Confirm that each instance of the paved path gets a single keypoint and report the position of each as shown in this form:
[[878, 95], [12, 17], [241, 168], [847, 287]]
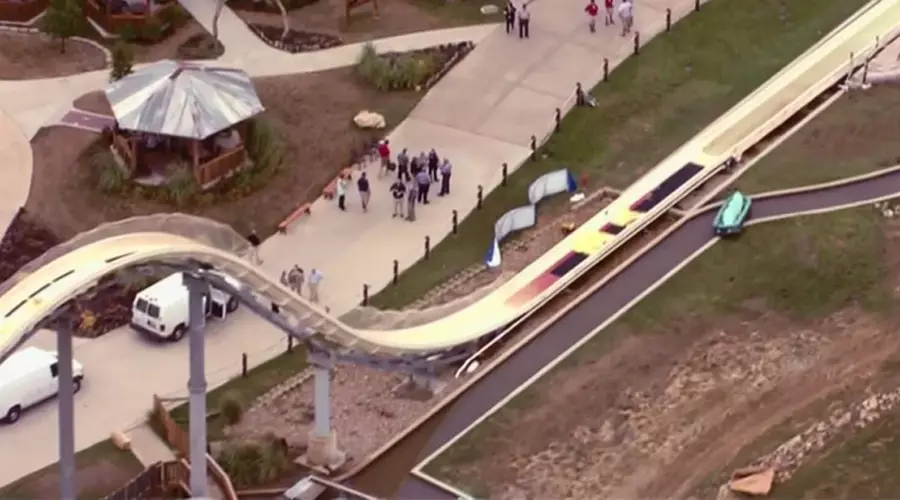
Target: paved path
[[508, 94]]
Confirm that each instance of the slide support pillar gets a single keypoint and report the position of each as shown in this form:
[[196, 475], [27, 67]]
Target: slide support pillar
[[66, 412], [197, 290], [323, 452]]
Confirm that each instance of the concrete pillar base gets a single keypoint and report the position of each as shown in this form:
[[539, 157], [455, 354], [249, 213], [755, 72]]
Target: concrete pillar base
[[322, 453]]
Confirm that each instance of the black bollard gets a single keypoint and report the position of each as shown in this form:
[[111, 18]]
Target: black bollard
[[365, 295], [455, 221], [637, 42], [605, 69], [427, 247], [396, 271], [558, 119], [533, 148], [290, 343], [505, 172], [668, 20], [244, 364], [696, 5], [865, 76], [480, 197]]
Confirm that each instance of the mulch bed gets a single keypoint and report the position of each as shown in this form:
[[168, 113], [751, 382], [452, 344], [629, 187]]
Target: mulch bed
[[27, 239], [268, 7], [295, 41], [200, 46]]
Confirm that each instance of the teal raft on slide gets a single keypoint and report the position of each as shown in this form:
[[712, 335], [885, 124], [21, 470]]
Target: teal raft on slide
[[731, 217]]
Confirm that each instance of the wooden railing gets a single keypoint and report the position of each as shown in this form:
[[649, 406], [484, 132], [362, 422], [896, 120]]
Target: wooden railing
[[216, 169], [178, 438], [122, 146], [20, 12], [155, 481]]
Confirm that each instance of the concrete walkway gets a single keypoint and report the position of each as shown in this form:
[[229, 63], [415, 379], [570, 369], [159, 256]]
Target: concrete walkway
[[234, 34], [480, 116]]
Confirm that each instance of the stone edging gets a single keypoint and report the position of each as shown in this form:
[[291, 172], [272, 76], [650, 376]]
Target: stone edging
[[107, 55]]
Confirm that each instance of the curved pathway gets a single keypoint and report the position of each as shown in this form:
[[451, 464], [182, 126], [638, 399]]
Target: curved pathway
[[680, 246]]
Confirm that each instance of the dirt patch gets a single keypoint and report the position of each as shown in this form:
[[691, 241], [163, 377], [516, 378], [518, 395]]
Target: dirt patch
[[660, 410], [105, 308], [28, 56], [327, 16], [171, 46], [200, 46], [311, 113]]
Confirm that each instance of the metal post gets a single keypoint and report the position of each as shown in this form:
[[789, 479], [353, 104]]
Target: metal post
[[480, 197], [396, 271], [454, 220], [427, 247], [696, 5], [637, 42], [365, 295], [605, 69], [505, 173], [322, 395], [197, 289], [668, 20], [66, 414], [557, 117]]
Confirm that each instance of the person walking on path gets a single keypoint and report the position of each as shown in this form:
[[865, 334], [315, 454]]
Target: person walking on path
[[384, 153], [362, 185], [610, 10], [433, 162], [398, 194], [509, 14], [315, 277], [626, 15], [255, 242], [411, 194], [403, 165], [296, 279], [341, 189], [424, 182], [592, 10], [524, 21], [446, 170]]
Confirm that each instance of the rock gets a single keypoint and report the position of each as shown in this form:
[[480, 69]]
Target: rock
[[489, 9], [369, 119], [755, 484]]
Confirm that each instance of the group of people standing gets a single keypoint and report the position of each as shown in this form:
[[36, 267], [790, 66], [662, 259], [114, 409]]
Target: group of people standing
[[521, 16], [415, 176], [295, 279]]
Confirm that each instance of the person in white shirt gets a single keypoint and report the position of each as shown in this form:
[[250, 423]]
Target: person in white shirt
[[315, 277], [626, 15], [524, 21]]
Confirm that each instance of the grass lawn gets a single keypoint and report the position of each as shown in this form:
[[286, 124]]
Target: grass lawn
[[99, 471], [854, 136], [802, 268], [246, 389], [681, 82]]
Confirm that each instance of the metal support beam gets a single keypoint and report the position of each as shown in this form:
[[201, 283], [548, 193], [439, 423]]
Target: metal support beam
[[322, 393], [66, 417], [197, 290]]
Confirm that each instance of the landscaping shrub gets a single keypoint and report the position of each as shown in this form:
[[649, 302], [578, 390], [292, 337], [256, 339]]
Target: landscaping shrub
[[253, 463], [127, 32], [122, 61], [265, 149], [181, 186], [394, 71], [110, 176], [232, 410], [152, 30]]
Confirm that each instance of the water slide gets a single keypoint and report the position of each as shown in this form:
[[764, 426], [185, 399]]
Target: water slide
[[31, 297]]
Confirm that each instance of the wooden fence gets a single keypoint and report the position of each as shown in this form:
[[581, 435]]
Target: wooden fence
[[20, 12], [180, 440]]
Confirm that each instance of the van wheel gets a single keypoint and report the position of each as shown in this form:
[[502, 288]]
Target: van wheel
[[232, 305], [76, 385], [178, 333], [12, 416]]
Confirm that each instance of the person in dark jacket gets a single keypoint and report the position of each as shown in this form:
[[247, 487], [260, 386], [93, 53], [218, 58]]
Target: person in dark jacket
[[255, 242], [433, 163], [509, 13], [424, 184], [446, 170]]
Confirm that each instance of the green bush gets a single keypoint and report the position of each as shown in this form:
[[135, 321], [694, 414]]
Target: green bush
[[122, 61], [265, 149], [152, 30], [111, 178], [252, 464], [232, 410], [127, 33], [393, 72], [181, 186]]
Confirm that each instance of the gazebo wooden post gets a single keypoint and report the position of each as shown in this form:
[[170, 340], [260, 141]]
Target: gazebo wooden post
[[195, 156], [133, 145]]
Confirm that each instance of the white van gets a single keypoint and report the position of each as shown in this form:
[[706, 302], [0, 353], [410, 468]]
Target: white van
[[162, 310], [28, 377]]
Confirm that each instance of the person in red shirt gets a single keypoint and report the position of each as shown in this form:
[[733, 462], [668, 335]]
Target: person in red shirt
[[384, 152], [609, 4], [592, 11]]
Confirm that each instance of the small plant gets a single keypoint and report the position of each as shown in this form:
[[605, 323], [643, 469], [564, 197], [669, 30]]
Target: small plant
[[152, 30], [62, 20], [252, 464], [181, 186], [122, 61], [110, 176], [127, 32], [232, 409], [265, 150], [393, 71], [87, 321]]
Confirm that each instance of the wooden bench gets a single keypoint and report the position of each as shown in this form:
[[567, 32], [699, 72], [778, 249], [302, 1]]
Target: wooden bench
[[304, 209], [330, 188]]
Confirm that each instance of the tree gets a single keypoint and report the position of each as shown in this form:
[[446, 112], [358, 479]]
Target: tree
[[284, 18], [63, 20], [215, 20], [122, 61]]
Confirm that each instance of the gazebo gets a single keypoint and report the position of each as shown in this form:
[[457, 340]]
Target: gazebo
[[171, 111]]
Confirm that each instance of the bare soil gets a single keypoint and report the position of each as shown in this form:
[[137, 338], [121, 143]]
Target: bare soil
[[28, 56], [311, 113], [396, 17]]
